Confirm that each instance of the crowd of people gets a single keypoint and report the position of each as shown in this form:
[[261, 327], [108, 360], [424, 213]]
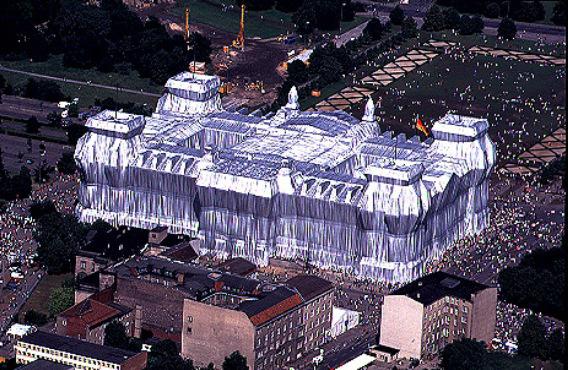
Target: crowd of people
[[18, 246]]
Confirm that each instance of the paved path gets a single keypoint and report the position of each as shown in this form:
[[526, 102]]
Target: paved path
[[77, 82]]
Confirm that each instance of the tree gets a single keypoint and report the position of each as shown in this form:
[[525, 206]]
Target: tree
[[32, 125], [74, 132], [374, 29], [288, 6], [463, 354], [451, 18], [38, 209], [66, 164], [409, 28], [235, 361], [43, 171], [35, 318], [507, 29], [165, 356], [492, 10], [256, 4], [59, 237], [559, 13], [54, 119], [556, 349], [21, 183], [532, 338], [470, 25], [328, 14], [434, 20], [477, 24], [348, 11], [43, 90], [60, 299], [115, 336], [537, 282], [397, 16], [297, 72]]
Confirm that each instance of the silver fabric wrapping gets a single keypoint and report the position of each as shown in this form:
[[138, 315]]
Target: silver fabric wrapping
[[322, 187]]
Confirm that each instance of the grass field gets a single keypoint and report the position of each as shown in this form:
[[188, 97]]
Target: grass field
[[39, 299], [224, 15], [86, 94], [54, 67], [522, 101]]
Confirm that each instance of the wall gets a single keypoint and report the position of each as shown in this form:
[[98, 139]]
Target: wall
[[484, 315], [211, 333], [401, 325], [161, 307]]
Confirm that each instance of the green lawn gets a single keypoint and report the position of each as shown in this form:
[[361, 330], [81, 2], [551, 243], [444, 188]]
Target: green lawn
[[39, 299], [54, 67], [263, 24], [86, 94]]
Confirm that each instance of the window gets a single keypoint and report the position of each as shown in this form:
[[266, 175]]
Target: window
[[83, 265], [189, 330]]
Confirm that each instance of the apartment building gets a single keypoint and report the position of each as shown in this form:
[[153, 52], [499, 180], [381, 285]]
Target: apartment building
[[272, 328], [420, 318]]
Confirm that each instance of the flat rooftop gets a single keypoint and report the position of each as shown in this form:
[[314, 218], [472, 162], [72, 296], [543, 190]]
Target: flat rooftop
[[78, 347], [430, 288]]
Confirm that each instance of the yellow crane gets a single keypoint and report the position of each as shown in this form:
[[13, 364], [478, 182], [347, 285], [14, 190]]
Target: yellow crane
[[186, 29], [240, 41]]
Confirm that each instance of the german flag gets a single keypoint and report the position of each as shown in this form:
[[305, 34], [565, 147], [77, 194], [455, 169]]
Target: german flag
[[421, 127]]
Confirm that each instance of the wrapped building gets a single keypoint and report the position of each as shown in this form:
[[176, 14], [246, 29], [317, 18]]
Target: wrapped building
[[322, 187]]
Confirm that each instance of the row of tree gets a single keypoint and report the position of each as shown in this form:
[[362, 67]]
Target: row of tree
[[108, 37], [438, 20], [518, 10], [449, 18]]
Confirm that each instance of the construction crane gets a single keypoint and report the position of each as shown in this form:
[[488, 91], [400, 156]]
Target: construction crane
[[240, 41], [186, 29], [188, 38]]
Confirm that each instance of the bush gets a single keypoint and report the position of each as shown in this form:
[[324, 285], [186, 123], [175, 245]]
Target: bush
[[32, 125], [43, 90], [38, 209], [66, 164], [409, 28], [374, 29], [397, 16], [507, 29], [35, 318]]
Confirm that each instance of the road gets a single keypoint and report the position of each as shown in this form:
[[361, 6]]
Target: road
[[353, 33], [77, 82]]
